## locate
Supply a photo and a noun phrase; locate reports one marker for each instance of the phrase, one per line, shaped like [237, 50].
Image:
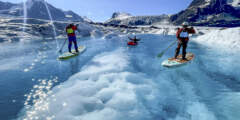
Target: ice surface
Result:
[108, 88]
[223, 40]
[118, 85]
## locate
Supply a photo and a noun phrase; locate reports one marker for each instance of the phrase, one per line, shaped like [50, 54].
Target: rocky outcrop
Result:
[127, 19]
[224, 13]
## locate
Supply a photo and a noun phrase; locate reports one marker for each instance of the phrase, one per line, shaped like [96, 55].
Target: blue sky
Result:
[101, 10]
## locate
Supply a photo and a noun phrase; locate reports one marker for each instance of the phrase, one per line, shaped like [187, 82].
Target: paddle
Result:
[163, 52]
[60, 50]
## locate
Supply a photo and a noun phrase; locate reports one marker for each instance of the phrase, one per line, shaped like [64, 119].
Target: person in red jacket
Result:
[70, 29]
[183, 38]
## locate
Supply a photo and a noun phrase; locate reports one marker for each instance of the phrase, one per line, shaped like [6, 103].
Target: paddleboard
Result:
[172, 62]
[68, 55]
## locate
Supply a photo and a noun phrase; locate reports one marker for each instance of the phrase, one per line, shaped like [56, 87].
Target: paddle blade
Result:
[60, 51]
[160, 54]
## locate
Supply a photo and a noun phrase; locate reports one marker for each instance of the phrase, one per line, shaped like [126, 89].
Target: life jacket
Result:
[184, 34]
[71, 30]
[181, 34]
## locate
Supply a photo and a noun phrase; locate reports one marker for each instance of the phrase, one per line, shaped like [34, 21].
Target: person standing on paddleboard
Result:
[183, 38]
[70, 29]
[135, 40]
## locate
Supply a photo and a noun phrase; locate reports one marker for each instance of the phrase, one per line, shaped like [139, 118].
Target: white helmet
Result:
[185, 24]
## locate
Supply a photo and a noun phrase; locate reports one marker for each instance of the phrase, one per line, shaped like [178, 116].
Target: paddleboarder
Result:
[183, 38]
[70, 29]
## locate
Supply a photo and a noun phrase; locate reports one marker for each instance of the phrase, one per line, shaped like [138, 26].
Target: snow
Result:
[207, 2]
[68, 16]
[87, 19]
[224, 45]
[227, 40]
[122, 16]
[234, 3]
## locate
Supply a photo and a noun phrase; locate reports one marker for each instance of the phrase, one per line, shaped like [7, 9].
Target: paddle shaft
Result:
[163, 52]
[62, 46]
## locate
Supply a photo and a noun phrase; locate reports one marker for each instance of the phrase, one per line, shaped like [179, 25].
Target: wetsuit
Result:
[72, 37]
[183, 38]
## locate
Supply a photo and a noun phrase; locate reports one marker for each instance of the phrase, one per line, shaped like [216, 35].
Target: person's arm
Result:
[178, 33]
[130, 38]
[191, 30]
[138, 39]
[74, 27]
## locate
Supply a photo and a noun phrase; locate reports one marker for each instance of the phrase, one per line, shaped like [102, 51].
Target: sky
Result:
[101, 10]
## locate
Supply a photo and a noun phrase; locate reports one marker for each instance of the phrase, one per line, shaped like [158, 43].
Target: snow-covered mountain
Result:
[12, 29]
[37, 9]
[38, 22]
[210, 13]
[6, 5]
[224, 13]
[128, 19]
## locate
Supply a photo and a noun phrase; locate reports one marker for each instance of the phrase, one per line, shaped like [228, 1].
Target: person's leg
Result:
[184, 49]
[69, 44]
[178, 49]
[75, 43]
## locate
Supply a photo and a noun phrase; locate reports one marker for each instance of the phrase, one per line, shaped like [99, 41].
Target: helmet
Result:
[71, 25]
[185, 24]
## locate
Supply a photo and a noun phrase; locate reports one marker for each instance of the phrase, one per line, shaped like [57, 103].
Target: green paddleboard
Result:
[68, 55]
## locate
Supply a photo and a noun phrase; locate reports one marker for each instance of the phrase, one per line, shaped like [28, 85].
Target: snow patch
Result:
[68, 16]
[121, 16]
[223, 40]
[234, 3]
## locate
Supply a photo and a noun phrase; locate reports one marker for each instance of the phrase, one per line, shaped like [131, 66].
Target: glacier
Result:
[125, 83]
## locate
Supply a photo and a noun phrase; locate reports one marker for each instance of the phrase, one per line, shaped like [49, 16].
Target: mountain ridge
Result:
[209, 13]
[37, 9]
[215, 13]
[127, 19]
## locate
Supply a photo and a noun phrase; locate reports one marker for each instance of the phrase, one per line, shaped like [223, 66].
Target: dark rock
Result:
[216, 13]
